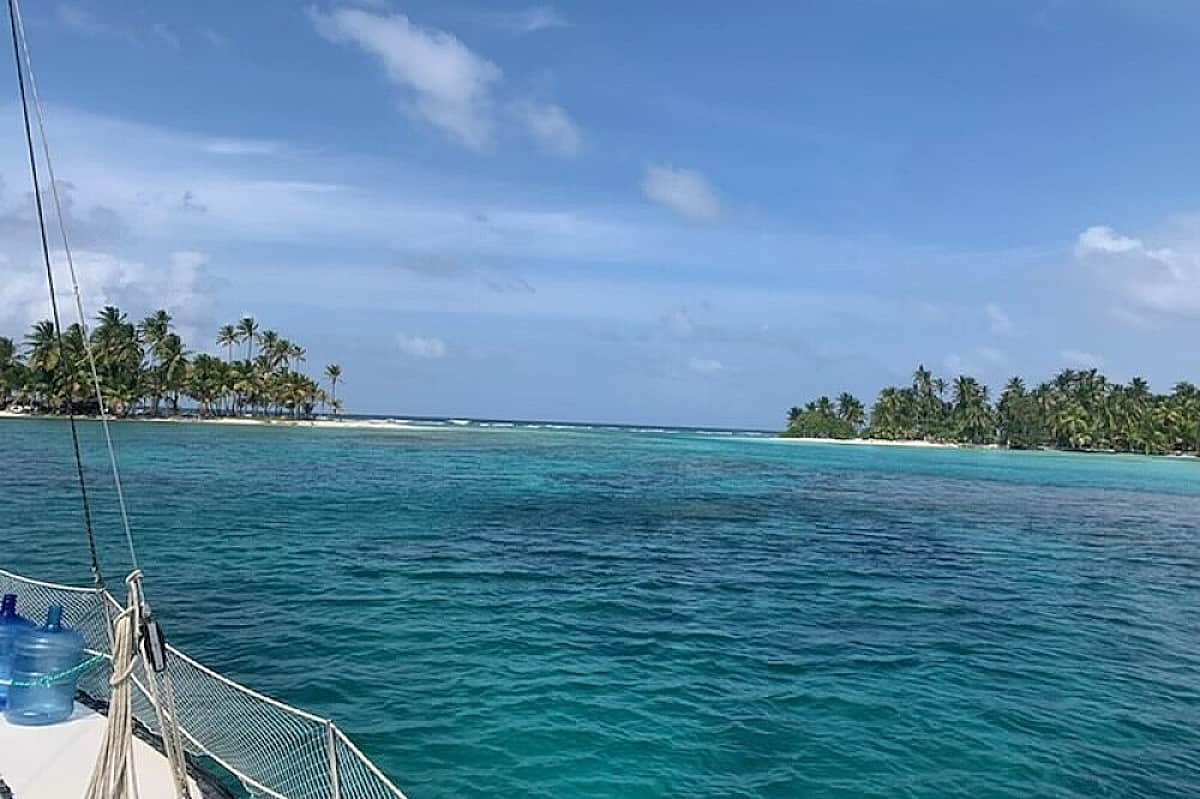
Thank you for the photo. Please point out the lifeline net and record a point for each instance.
(274, 750)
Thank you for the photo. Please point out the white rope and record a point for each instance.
(114, 775)
(62, 229)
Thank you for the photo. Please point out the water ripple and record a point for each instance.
(556, 613)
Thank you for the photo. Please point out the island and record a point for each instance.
(145, 369)
(1077, 410)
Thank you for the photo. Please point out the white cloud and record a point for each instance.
(1000, 323)
(181, 287)
(550, 126)
(1142, 277)
(385, 212)
(526, 20)
(1101, 238)
(445, 82)
(232, 146)
(23, 297)
(705, 366)
(1080, 359)
(421, 346)
(684, 191)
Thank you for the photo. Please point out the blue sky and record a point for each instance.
(625, 212)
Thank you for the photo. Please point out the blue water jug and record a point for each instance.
(12, 625)
(43, 689)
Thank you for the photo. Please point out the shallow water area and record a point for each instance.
(553, 611)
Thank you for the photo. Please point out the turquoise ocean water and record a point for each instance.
(597, 613)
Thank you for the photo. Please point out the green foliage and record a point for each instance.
(13, 373)
(822, 419)
(1077, 409)
(147, 366)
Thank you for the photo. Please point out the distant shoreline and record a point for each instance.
(401, 425)
(917, 443)
(342, 424)
(405, 425)
(882, 442)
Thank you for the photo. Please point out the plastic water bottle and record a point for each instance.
(48, 651)
(12, 626)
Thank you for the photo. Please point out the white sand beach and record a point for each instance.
(869, 442)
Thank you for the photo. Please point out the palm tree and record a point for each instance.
(117, 349)
(269, 345)
(41, 344)
(297, 355)
(227, 336)
(10, 370)
(247, 330)
(923, 389)
(1016, 416)
(1073, 421)
(154, 327)
(971, 410)
(243, 384)
(851, 409)
(334, 372)
(1187, 398)
(148, 362)
(891, 417)
(206, 381)
(173, 366)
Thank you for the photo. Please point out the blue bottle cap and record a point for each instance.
(54, 617)
(9, 607)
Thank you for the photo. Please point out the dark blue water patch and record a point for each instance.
(543, 612)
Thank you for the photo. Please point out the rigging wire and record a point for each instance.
(115, 761)
(37, 193)
(15, 11)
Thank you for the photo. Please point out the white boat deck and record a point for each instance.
(55, 762)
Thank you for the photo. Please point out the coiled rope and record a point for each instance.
(114, 775)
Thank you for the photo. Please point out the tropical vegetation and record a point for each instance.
(145, 368)
(1076, 410)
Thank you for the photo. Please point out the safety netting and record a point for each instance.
(270, 748)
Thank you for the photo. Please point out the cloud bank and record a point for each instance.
(1145, 278)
